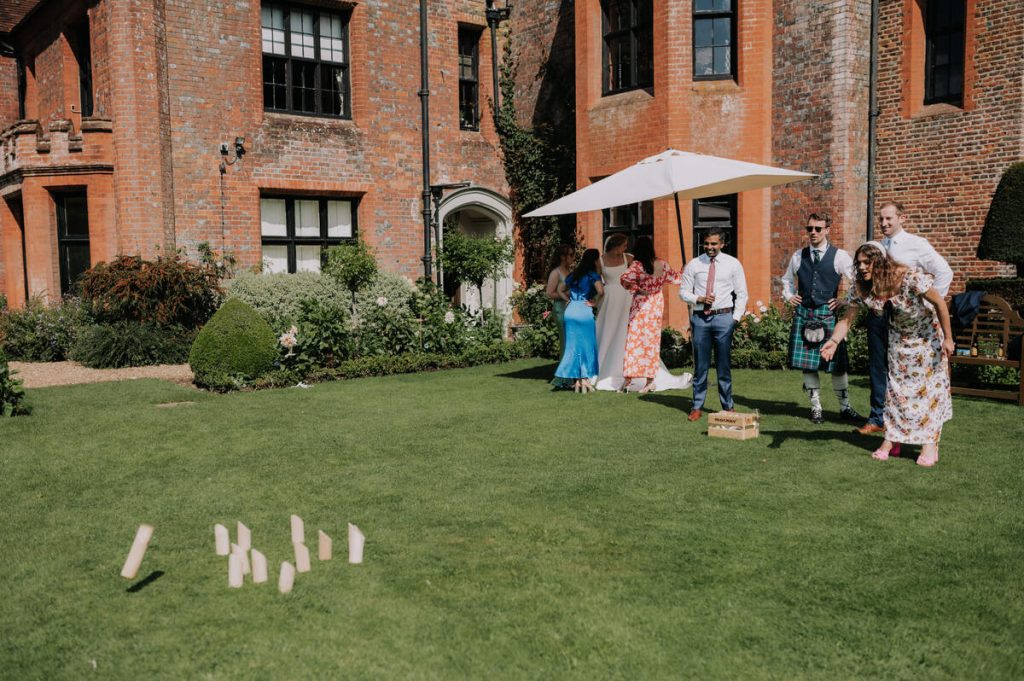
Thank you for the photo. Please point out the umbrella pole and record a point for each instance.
(679, 227)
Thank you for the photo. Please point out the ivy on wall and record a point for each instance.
(540, 166)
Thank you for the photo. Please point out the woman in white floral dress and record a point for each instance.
(917, 401)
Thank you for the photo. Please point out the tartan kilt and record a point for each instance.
(808, 357)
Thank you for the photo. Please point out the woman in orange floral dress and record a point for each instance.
(645, 279)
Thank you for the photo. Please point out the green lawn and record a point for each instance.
(512, 532)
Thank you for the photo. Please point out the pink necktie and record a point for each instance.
(710, 289)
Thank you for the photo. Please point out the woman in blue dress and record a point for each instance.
(579, 361)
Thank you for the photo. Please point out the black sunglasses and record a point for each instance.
(814, 228)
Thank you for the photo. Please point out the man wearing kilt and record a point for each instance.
(811, 285)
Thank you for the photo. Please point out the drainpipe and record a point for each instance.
(424, 95)
(872, 118)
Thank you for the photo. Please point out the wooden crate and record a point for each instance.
(734, 426)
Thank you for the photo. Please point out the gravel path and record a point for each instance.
(44, 374)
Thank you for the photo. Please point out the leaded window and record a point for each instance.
(627, 28)
(469, 78)
(305, 60)
(714, 39)
(944, 51)
(72, 237)
(297, 230)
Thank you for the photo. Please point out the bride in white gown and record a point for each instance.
(613, 321)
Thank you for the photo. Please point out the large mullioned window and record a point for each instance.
(305, 60)
(627, 28)
(296, 230)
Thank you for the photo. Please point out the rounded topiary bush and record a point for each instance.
(235, 346)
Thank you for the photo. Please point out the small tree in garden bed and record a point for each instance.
(474, 259)
(353, 265)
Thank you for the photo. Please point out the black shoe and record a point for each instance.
(817, 417)
(849, 414)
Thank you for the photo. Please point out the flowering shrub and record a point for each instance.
(322, 337)
(538, 328)
(42, 332)
(442, 328)
(278, 297)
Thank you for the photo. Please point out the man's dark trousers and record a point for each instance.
(878, 364)
(712, 331)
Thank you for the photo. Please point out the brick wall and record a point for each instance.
(820, 77)
(944, 162)
(214, 57)
(723, 118)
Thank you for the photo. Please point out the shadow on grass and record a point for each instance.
(677, 402)
(542, 373)
(143, 583)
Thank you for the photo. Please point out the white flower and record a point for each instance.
(760, 303)
(289, 338)
(449, 317)
(763, 309)
(382, 302)
(757, 319)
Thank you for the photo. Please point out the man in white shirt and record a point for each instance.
(811, 285)
(914, 251)
(715, 288)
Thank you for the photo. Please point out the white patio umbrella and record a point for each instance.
(679, 174)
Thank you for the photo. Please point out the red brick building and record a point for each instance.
(782, 82)
(269, 130)
(787, 82)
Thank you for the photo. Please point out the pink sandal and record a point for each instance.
(930, 461)
(879, 455)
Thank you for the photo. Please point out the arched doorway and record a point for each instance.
(480, 212)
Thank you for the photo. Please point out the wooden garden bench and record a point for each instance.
(996, 325)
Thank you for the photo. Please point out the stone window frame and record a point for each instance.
(292, 241)
(468, 46)
(639, 36)
(912, 62)
(281, 64)
(717, 16)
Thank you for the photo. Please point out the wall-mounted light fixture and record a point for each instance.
(225, 152)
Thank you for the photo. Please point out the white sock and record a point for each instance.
(840, 384)
(812, 386)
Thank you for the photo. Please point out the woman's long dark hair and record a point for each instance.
(886, 274)
(560, 252)
(643, 251)
(588, 263)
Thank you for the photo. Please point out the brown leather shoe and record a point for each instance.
(695, 415)
(869, 428)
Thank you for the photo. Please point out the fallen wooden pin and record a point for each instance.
(138, 550)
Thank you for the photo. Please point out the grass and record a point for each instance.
(512, 532)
